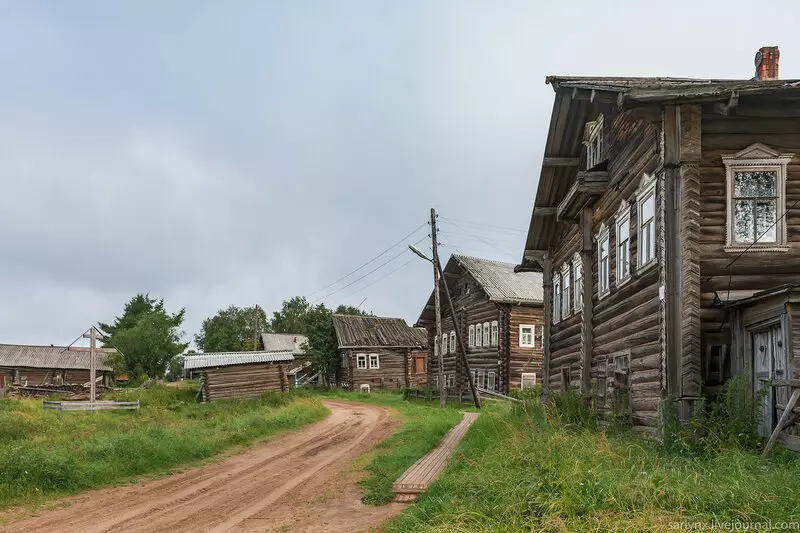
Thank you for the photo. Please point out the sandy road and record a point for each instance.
(298, 482)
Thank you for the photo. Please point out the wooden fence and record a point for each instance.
(62, 406)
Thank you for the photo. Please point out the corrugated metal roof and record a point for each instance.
(500, 281)
(15, 355)
(284, 342)
(378, 332)
(208, 360)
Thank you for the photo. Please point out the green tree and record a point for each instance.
(232, 330)
(350, 310)
(322, 344)
(292, 318)
(148, 336)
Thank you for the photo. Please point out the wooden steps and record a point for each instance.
(418, 478)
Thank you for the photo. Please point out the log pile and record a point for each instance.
(242, 381)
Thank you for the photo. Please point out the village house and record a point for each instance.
(501, 319)
(301, 372)
(239, 375)
(667, 228)
(380, 353)
(32, 366)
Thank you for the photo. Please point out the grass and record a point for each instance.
(528, 470)
(45, 457)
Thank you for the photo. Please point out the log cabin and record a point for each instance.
(239, 375)
(301, 372)
(380, 353)
(33, 366)
(501, 319)
(667, 227)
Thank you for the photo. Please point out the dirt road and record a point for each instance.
(302, 481)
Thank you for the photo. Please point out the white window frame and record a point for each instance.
(478, 336)
(623, 220)
(495, 333)
(540, 329)
(471, 336)
(566, 295)
(603, 276)
(556, 297)
(444, 344)
(453, 342)
(361, 361)
(527, 375)
(757, 157)
(491, 380)
(374, 361)
(479, 381)
(522, 334)
(647, 190)
(486, 335)
(577, 291)
(436, 346)
(593, 140)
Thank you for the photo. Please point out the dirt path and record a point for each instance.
(299, 482)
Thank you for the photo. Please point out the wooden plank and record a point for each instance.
(782, 422)
(561, 161)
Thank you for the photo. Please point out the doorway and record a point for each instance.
(769, 362)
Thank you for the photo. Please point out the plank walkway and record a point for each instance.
(418, 478)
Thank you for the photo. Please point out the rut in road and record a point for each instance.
(238, 493)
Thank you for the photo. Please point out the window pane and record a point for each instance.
(604, 248)
(648, 206)
(755, 183)
(623, 230)
(743, 220)
(766, 216)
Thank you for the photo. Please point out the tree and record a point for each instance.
(147, 336)
(233, 330)
(175, 370)
(350, 310)
(292, 316)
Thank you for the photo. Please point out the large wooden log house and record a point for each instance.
(34, 366)
(501, 320)
(380, 353)
(239, 375)
(667, 227)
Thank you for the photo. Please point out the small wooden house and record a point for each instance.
(667, 228)
(501, 319)
(301, 371)
(239, 375)
(52, 365)
(380, 353)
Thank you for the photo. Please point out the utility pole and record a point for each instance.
(92, 364)
(437, 341)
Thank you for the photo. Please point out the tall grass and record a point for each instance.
(45, 456)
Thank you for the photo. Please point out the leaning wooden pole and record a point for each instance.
(462, 350)
(437, 268)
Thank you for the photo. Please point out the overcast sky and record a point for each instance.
(241, 152)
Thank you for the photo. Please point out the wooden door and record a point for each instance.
(769, 362)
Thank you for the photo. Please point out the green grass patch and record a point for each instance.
(528, 471)
(44, 456)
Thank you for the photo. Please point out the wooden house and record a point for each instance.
(33, 366)
(239, 375)
(667, 228)
(301, 372)
(501, 318)
(380, 353)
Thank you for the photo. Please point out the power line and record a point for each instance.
(484, 241)
(385, 276)
(487, 226)
(401, 241)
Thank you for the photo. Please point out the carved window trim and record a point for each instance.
(646, 190)
(453, 341)
(623, 220)
(557, 297)
(603, 276)
(472, 336)
(566, 288)
(756, 157)
(593, 140)
(577, 280)
(523, 342)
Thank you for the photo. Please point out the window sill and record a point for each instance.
(601, 295)
(622, 282)
(738, 248)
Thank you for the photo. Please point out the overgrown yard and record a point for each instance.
(530, 470)
(44, 456)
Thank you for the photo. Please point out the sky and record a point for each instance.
(245, 152)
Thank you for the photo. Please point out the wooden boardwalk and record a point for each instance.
(418, 478)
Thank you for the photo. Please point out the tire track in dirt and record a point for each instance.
(242, 493)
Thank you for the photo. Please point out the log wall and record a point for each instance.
(392, 372)
(522, 359)
(242, 381)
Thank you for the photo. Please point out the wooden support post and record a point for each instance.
(787, 412)
(437, 341)
(92, 364)
(587, 335)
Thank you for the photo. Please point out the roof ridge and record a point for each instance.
(495, 261)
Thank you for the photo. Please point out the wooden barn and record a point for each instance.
(381, 353)
(34, 366)
(239, 375)
(500, 312)
(673, 207)
(301, 372)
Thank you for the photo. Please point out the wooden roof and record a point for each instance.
(284, 342)
(215, 359)
(61, 357)
(354, 331)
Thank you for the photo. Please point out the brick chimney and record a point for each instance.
(767, 63)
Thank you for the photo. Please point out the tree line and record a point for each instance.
(148, 338)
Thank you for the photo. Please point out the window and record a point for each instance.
(603, 243)
(566, 302)
(436, 346)
(623, 243)
(528, 380)
(453, 341)
(756, 194)
(491, 379)
(479, 381)
(473, 377)
(486, 334)
(646, 199)
(419, 365)
(478, 336)
(373, 361)
(361, 360)
(495, 333)
(556, 298)
(602, 382)
(444, 344)
(593, 140)
(450, 380)
(526, 338)
(471, 336)
(577, 277)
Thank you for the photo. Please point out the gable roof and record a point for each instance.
(214, 359)
(284, 342)
(61, 357)
(354, 331)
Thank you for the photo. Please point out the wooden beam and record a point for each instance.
(561, 161)
(544, 211)
(782, 422)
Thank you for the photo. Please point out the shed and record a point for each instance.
(239, 375)
(26, 365)
(379, 352)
